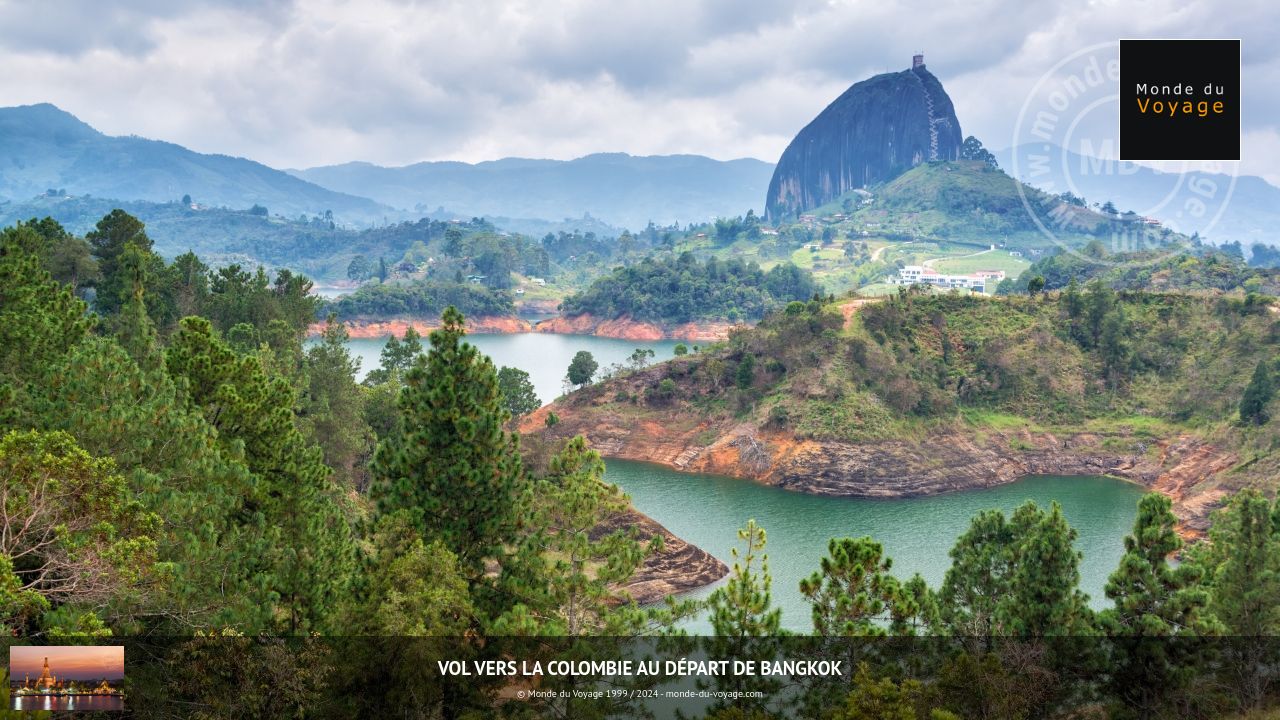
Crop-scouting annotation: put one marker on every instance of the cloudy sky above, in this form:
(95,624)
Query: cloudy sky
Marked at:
(298,83)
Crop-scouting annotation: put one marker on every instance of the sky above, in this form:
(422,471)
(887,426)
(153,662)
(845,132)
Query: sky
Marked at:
(301,83)
(79,662)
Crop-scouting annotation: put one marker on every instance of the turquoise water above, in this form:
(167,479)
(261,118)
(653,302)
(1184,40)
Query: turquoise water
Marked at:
(708,510)
(916,532)
(544,356)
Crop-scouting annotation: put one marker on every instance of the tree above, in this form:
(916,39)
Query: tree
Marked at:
(1015,576)
(360,269)
(1241,562)
(409,588)
(518,395)
(640,357)
(186,200)
(681,350)
(133,325)
(745,375)
(109,239)
(743,606)
(1242,565)
(854,594)
(398,355)
(972,149)
(212,544)
(585,565)
(452,468)
(1035,285)
(40,320)
(382,270)
(68,258)
(73,532)
(1257,395)
(982,564)
(331,408)
(1153,600)
(1043,599)
(310,565)
(582,368)
(743,618)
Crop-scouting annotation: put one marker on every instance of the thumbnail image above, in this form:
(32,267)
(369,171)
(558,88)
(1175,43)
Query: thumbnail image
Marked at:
(66,677)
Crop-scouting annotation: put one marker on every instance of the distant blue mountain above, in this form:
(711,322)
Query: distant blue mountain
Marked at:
(616,188)
(1252,214)
(43,147)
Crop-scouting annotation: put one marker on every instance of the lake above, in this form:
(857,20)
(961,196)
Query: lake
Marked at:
(708,510)
(917,533)
(544,356)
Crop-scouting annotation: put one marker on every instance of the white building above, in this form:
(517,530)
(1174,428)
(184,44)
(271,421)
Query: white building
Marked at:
(981,281)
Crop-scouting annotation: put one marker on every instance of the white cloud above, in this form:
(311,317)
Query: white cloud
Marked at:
(312,82)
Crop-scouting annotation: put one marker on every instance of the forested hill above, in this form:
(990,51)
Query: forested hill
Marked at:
(923,393)
(683,289)
(321,248)
(1197,268)
(46,147)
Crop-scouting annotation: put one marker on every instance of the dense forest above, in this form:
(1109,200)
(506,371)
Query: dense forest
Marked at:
(422,298)
(176,463)
(682,289)
(1197,267)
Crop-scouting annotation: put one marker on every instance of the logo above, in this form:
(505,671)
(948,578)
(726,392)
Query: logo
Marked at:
(1066,144)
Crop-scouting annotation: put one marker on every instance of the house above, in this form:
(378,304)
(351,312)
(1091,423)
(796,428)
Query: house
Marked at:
(977,281)
(538,281)
(475,279)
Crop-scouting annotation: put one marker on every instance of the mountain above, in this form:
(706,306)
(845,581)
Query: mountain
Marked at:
(1252,214)
(43,147)
(619,189)
(876,130)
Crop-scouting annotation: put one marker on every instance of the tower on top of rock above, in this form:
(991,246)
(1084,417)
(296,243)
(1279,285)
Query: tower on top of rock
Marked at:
(917,61)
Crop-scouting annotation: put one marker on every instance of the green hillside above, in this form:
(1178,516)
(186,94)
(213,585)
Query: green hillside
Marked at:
(971,202)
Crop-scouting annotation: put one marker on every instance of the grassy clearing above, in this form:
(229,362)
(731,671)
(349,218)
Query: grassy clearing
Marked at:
(990,260)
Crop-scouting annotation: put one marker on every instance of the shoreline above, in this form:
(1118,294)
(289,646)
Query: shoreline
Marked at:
(1187,469)
(697,332)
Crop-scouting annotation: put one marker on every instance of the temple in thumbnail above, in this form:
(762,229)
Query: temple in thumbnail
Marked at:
(49,684)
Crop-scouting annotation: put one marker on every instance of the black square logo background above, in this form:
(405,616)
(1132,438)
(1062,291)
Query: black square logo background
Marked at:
(1194,63)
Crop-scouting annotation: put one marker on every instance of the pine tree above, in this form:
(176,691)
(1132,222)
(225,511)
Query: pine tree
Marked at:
(1242,566)
(743,606)
(982,564)
(398,355)
(109,240)
(213,549)
(583,568)
(1043,598)
(40,321)
(332,409)
(1257,395)
(1151,598)
(452,468)
(1246,575)
(311,566)
(1153,602)
(744,621)
(133,326)
(854,594)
